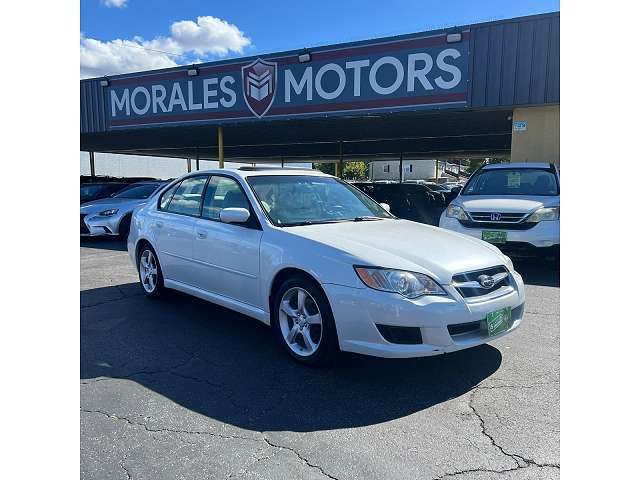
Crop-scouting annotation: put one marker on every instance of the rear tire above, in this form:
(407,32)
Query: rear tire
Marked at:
(149,272)
(306,331)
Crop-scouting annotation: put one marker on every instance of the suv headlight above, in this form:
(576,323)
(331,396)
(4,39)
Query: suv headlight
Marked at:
(454,211)
(108,213)
(407,284)
(545,213)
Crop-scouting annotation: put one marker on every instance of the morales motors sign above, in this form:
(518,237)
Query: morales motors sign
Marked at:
(416,72)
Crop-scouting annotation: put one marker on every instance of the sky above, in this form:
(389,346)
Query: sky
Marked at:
(120,36)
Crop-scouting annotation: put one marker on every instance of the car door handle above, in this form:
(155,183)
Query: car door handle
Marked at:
(201,234)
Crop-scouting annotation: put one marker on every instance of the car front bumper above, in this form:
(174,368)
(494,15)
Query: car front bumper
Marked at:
(96,225)
(543,235)
(359,311)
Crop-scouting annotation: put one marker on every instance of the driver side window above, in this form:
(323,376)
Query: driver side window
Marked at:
(222,192)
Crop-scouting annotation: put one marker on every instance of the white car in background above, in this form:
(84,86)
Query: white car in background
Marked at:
(515,206)
(322,263)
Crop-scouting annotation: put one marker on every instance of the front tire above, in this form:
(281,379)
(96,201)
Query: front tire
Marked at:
(303,323)
(149,272)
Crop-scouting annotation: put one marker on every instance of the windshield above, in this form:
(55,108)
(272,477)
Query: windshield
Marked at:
(516,181)
(138,191)
(92,189)
(303,200)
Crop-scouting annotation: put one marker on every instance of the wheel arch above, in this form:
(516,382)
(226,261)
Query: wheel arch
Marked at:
(285,273)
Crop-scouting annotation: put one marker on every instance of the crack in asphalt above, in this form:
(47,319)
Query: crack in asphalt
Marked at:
(264,439)
(126,470)
(167,430)
(521,462)
(303,459)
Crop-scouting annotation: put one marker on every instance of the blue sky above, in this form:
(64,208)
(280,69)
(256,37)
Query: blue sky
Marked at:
(248,27)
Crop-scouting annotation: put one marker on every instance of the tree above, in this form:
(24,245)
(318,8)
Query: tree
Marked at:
(351,170)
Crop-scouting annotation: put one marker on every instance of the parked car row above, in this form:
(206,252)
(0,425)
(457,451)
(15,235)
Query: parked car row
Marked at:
(412,201)
(109,206)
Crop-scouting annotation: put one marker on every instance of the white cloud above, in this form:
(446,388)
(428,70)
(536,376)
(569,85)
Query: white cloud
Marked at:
(114,3)
(208,36)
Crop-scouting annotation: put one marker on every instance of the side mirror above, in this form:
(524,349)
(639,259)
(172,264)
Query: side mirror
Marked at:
(456,189)
(386,207)
(234,215)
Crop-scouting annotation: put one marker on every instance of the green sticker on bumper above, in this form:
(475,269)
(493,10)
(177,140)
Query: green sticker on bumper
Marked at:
(498,321)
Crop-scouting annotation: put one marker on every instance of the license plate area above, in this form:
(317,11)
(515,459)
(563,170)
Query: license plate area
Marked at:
(498,321)
(494,236)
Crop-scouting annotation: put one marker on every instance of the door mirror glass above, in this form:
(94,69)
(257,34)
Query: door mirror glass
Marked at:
(456,189)
(234,215)
(386,206)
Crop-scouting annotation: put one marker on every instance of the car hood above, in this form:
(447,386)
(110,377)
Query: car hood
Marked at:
(97,206)
(405,245)
(514,203)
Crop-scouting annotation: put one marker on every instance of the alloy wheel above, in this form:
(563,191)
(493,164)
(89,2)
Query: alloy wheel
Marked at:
(148,271)
(300,321)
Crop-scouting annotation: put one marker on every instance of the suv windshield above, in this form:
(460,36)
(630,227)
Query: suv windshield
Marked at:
(512,181)
(138,191)
(303,200)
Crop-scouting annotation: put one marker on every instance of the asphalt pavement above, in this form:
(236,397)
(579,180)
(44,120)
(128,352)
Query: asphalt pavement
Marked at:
(180,388)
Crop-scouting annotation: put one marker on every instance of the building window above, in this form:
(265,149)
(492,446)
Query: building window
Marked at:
(386,169)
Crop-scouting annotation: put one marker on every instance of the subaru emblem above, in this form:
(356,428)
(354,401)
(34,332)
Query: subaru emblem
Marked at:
(486,281)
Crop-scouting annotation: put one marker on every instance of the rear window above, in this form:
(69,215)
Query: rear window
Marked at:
(516,181)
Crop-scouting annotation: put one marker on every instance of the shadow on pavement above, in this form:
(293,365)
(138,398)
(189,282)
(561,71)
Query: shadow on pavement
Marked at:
(228,367)
(539,272)
(104,243)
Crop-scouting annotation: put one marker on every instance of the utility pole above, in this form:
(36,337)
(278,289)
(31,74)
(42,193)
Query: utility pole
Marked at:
(92,165)
(220,148)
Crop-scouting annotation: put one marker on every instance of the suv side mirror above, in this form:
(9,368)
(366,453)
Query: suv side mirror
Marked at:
(234,215)
(386,207)
(456,189)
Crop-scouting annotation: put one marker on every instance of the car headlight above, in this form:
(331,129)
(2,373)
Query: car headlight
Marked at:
(545,213)
(509,263)
(108,213)
(454,211)
(407,284)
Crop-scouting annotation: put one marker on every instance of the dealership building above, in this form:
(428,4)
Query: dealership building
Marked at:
(475,91)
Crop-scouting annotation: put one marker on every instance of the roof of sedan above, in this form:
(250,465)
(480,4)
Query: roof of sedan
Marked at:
(496,166)
(265,171)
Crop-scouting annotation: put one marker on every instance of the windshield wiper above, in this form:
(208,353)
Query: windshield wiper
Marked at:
(366,219)
(311,222)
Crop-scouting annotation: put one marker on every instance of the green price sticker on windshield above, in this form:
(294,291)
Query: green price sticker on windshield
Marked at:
(513,179)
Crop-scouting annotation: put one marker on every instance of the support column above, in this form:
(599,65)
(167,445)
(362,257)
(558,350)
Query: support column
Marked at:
(220,148)
(92,164)
(188,165)
(197,158)
(437,168)
(401,167)
(341,164)
(282,161)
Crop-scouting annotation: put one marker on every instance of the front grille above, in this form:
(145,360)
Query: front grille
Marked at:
(497,225)
(468,283)
(83,226)
(504,217)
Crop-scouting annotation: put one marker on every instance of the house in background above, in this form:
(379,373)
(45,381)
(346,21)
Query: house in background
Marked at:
(413,170)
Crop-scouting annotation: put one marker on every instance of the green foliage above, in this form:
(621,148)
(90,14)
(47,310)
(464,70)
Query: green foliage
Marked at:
(352,170)
(356,171)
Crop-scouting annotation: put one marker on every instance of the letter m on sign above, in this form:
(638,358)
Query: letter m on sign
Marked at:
(259,86)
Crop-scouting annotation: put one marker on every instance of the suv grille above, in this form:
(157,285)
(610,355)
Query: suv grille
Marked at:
(469,286)
(83,226)
(498,220)
(502,217)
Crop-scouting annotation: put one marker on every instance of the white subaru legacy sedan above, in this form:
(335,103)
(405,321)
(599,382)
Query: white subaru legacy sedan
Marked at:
(322,263)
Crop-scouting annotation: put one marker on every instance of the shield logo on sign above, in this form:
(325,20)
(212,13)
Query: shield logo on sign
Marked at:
(259,86)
